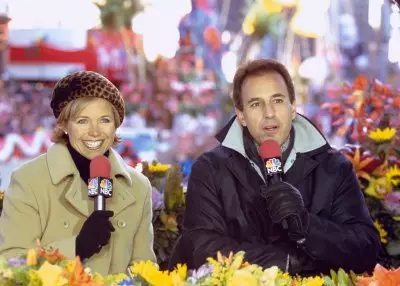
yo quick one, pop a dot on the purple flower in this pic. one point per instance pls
(16, 261)
(158, 199)
(392, 203)
(196, 275)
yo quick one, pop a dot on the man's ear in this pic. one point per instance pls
(240, 116)
(294, 110)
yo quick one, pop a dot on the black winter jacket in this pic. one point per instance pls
(225, 211)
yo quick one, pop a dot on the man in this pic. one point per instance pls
(329, 225)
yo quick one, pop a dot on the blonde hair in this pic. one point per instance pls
(71, 111)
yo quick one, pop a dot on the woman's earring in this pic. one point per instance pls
(66, 133)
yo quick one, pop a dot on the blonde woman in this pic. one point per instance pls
(48, 198)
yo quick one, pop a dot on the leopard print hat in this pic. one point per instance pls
(85, 83)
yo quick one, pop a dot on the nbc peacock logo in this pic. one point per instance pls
(273, 165)
(106, 187)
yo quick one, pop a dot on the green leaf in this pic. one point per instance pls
(334, 276)
(328, 281)
(353, 277)
(343, 278)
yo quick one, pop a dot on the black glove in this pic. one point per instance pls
(95, 233)
(284, 202)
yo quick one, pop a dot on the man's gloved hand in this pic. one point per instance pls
(284, 202)
(95, 233)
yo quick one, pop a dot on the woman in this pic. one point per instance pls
(48, 197)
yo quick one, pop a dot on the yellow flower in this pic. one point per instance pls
(7, 273)
(1, 194)
(393, 175)
(158, 167)
(149, 271)
(269, 275)
(51, 275)
(70, 266)
(97, 278)
(378, 188)
(31, 258)
(249, 22)
(384, 135)
(272, 6)
(34, 278)
(242, 278)
(181, 271)
(310, 281)
(382, 231)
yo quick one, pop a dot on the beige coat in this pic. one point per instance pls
(47, 199)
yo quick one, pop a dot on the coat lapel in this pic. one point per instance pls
(122, 184)
(298, 175)
(67, 173)
(76, 189)
(303, 166)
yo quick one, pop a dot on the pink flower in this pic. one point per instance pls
(392, 203)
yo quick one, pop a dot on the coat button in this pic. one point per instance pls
(66, 224)
(121, 223)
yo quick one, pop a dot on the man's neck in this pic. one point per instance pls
(285, 144)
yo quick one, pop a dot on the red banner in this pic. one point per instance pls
(105, 52)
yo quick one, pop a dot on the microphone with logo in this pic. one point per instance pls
(100, 186)
(270, 152)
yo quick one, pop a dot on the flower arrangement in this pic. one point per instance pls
(45, 268)
(263, 17)
(168, 206)
(50, 268)
(368, 114)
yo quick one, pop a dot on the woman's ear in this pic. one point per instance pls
(63, 128)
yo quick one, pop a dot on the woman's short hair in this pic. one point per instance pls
(71, 111)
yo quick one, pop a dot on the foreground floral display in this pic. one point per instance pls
(368, 114)
(168, 206)
(50, 268)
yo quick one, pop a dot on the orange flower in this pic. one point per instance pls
(363, 163)
(225, 260)
(360, 83)
(381, 276)
(50, 255)
(79, 277)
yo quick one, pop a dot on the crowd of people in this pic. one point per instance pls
(179, 98)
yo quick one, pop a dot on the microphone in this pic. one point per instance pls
(100, 186)
(270, 152)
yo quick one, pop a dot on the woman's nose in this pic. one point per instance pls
(94, 130)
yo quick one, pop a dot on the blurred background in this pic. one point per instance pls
(174, 60)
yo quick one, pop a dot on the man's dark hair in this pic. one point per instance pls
(256, 68)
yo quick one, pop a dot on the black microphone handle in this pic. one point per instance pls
(274, 179)
(99, 203)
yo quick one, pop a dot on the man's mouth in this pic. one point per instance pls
(271, 129)
(93, 145)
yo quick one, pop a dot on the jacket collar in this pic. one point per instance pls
(122, 182)
(308, 139)
(59, 153)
